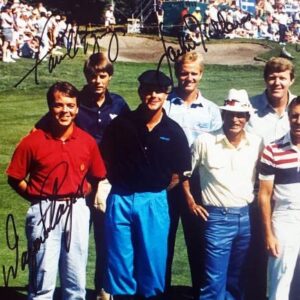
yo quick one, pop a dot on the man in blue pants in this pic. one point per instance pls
(226, 160)
(143, 150)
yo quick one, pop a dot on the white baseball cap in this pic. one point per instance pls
(237, 100)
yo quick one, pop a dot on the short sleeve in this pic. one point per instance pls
(267, 164)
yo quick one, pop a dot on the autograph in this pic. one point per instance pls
(50, 217)
(55, 211)
(13, 246)
(218, 28)
(88, 38)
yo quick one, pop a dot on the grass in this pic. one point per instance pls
(21, 107)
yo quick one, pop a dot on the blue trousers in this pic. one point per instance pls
(227, 238)
(136, 231)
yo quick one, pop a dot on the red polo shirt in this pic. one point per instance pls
(56, 168)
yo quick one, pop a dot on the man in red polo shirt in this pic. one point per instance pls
(55, 169)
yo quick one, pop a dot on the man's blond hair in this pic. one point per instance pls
(187, 58)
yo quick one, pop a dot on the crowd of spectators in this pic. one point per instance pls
(33, 32)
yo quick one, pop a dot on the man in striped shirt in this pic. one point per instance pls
(280, 206)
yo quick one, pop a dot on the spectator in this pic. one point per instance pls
(43, 30)
(30, 48)
(7, 23)
(110, 20)
(159, 15)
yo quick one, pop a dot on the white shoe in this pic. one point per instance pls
(15, 56)
(56, 52)
(8, 60)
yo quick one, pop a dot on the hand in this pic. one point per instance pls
(272, 245)
(174, 181)
(101, 195)
(198, 210)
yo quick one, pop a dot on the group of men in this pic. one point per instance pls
(177, 155)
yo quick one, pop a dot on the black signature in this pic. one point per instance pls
(12, 245)
(53, 214)
(186, 44)
(72, 49)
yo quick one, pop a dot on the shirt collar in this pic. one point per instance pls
(49, 135)
(266, 104)
(175, 99)
(221, 138)
(139, 116)
(288, 140)
(87, 98)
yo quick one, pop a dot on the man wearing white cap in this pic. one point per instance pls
(226, 161)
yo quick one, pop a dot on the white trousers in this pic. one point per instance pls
(286, 227)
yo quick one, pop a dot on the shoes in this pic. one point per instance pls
(8, 60)
(15, 56)
(56, 52)
(104, 296)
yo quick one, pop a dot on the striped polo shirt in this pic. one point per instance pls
(280, 162)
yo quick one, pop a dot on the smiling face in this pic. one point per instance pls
(153, 97)
(278, 84)
(63, 110)
(234, 122)
(189, 76)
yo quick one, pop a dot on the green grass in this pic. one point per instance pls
(21, 107)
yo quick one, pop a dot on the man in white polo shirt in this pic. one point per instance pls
(196, 115)
(226, 160)
(280, 206)
(269, 119)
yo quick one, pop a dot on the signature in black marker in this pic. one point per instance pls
(72, 49)
(187, 44)
(49, 220)
(221, 26)
(13, 245)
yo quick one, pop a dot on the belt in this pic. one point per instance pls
(57, 199)
(228, 210)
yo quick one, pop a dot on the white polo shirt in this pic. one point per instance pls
(265, 121)
(227, 173)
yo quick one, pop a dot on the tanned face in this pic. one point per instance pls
(278, 84)
(294, 118)
(152, 97)
(234, 122)
(189, 77)
(63, 110)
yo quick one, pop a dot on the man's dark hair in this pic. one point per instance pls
(65, 88)
(294, 102)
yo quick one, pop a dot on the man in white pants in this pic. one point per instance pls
(280, 206)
